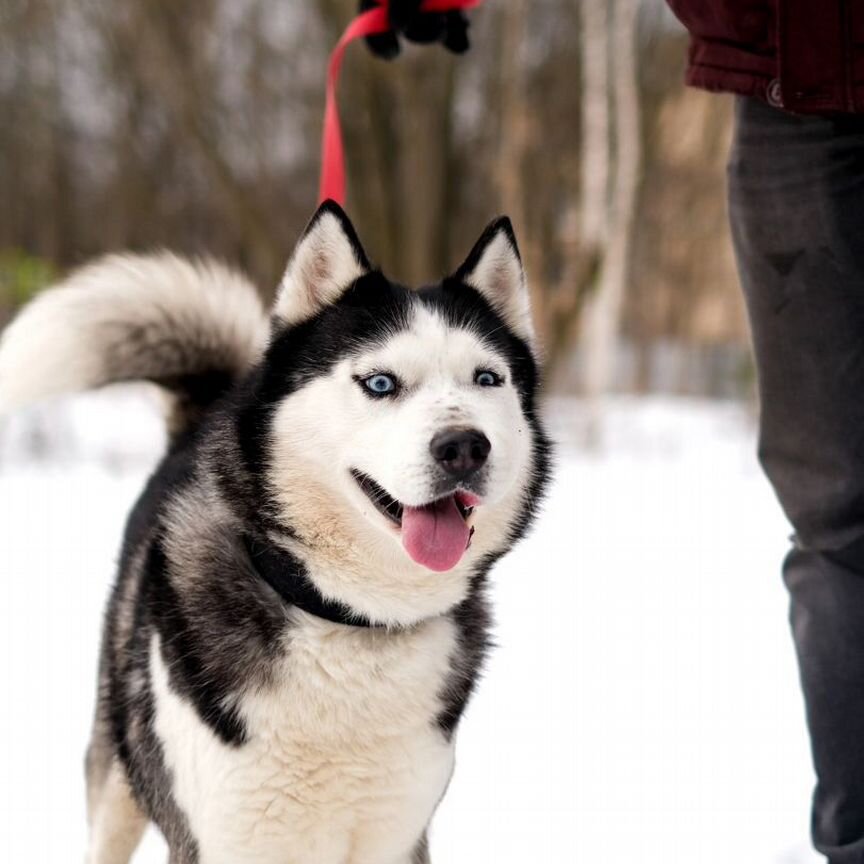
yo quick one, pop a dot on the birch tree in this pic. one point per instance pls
(608, 219)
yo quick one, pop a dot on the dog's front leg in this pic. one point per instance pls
(116, 820)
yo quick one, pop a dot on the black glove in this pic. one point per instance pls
(449, 28)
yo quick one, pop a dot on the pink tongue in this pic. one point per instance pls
(435, 536)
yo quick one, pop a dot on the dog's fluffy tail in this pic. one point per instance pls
(192, 327)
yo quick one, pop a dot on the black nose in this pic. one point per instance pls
(460, 452)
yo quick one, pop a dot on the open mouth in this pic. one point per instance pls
(388, 506)
(435, 535)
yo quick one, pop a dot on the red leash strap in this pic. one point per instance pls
(366, 24)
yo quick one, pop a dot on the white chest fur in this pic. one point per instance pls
(344, 763)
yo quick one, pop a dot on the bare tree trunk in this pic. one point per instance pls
(585, 226)
(422, 178)
(514, 146)
(593, 220)
(514, 121)
(603, 312)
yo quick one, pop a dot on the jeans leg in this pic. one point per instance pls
(796, 202)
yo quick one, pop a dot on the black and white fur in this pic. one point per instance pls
(250, 724)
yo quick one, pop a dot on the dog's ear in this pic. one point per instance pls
(494, 268)
(327, 260)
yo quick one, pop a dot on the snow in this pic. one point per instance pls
(642, 704)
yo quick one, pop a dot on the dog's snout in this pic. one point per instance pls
(460, 452)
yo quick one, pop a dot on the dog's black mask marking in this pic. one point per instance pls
(370, 311)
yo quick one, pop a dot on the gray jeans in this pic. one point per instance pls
(796, 204)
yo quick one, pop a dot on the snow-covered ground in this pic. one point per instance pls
(642, 705)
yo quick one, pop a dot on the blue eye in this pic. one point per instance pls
(485, 378)
(380, 384)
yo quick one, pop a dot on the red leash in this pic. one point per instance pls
(366, 24)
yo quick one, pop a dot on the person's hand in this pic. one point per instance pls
(406, 19)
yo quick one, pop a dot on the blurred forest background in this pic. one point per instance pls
(196, 126)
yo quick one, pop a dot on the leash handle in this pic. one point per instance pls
(367, 23)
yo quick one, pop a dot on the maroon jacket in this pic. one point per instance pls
(804, 55)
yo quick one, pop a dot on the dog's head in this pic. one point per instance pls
(402, 448)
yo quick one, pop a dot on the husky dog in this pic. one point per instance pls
(299, 616)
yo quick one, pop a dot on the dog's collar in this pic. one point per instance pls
(287, 577)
